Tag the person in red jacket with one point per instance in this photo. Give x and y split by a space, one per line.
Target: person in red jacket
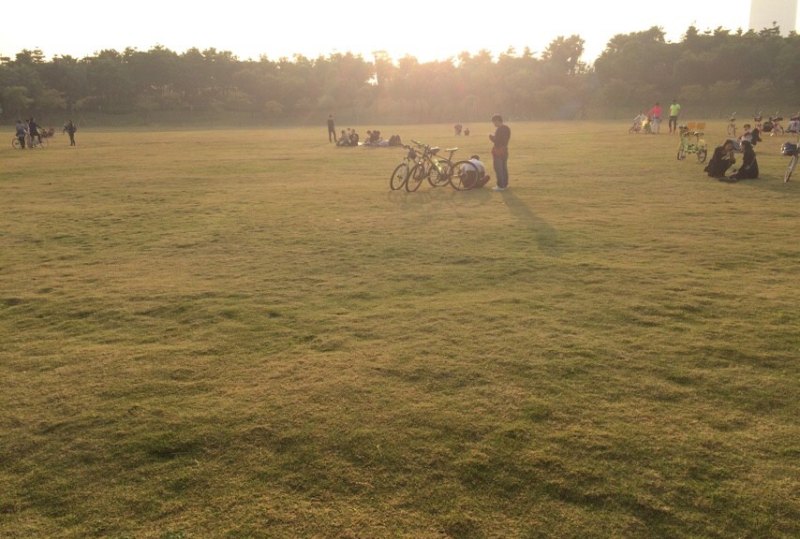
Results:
655 117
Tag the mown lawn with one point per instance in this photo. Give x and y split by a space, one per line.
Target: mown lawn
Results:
246 334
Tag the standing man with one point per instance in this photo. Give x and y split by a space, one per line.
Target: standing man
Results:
69 129
500 139
674 112
22 133
331 129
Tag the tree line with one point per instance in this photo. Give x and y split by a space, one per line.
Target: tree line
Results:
715 72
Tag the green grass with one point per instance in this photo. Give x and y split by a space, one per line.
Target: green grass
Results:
246 334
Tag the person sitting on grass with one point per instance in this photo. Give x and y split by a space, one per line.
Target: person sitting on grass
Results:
749 168
722 160
753 136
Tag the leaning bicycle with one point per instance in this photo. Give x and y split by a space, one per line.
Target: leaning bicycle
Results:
402 171
461 175
790 149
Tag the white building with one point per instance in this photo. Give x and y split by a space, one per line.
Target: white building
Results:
768 13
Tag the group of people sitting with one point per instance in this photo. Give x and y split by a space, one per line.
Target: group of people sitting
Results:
374 138
723 157
350 137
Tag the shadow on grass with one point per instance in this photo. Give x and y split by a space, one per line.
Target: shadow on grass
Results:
774 184
546 235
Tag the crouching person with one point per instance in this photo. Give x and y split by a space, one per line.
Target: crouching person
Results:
721 161
481 178
749 168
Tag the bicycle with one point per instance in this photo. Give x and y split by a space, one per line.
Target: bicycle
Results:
401 172
790 149
461 175
773 125
686 145
30 142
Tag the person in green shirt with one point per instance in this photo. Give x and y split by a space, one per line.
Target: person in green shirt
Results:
674 112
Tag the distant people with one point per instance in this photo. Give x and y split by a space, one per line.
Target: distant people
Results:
794 124
466 131
501 137
349 137
722 160
753 136
674 112
331 129
655 117
33 131
69 129
482 178
457 128
749 168
21 133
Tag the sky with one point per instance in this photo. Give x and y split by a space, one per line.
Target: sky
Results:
428 30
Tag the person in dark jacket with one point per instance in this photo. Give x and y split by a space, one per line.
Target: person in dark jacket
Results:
69 129
749 168
331 129
500 139
721 161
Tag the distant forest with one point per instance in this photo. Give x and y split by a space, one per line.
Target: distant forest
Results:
711 73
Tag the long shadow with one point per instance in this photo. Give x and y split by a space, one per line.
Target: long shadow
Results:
546 236
775 184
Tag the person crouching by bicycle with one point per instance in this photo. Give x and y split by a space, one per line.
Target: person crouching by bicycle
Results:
21 133
482 178
722 160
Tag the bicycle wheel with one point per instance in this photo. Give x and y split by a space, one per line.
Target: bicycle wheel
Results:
440 174
15 143
399 177
790 168
464 176
702 153
415 178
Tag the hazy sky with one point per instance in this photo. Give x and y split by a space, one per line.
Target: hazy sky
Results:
312 28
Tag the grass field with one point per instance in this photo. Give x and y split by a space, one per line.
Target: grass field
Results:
246 334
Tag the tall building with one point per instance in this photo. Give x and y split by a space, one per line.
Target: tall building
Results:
767 13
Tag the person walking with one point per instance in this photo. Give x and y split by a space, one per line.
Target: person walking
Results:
674 112
500 139
69 129
331 129
22 133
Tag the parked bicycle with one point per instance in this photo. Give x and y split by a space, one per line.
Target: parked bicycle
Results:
790 149
461 175
401 172
30 142
773 125
687 145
